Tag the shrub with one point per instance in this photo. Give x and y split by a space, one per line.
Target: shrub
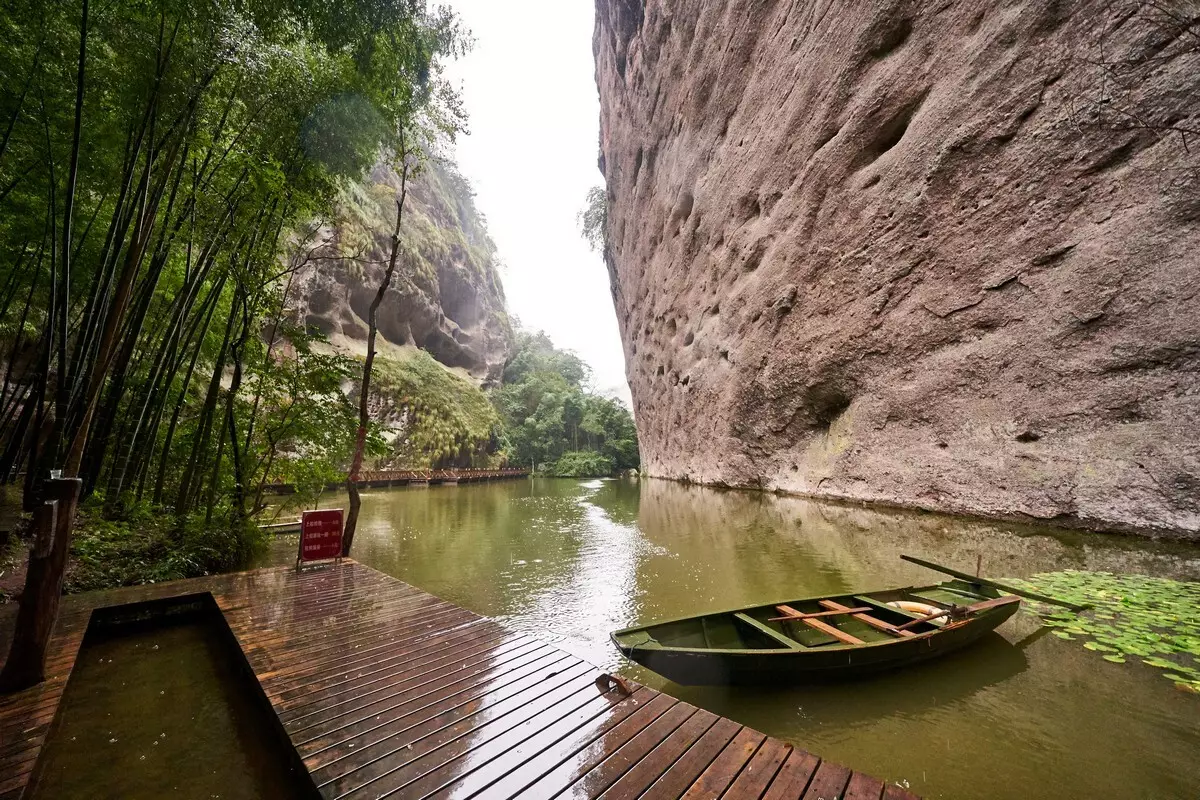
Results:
143 547
581 464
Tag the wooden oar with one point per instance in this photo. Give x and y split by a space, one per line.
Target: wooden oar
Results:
837 612
978 581
964 610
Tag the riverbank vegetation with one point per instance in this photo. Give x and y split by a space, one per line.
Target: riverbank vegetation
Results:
553 422
166 173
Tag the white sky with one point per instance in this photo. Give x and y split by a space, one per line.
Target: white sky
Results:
530 90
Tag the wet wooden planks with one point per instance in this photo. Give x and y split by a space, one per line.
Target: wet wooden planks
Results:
26 717
386 691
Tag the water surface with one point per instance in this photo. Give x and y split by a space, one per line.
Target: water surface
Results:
162 712
1022 715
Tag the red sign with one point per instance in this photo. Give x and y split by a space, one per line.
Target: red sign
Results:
321 534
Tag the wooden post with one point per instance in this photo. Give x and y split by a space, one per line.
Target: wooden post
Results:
27 656
26 663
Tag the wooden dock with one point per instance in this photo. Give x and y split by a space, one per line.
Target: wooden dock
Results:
387 691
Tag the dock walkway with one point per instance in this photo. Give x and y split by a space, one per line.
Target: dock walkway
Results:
387 691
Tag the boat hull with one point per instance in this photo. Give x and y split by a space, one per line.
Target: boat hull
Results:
695 667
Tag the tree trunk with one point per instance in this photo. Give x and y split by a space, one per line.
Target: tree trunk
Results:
238 510
116 316
161 477
360 439
203 429
16 348
62 394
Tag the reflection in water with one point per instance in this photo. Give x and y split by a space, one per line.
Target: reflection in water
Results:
1021 715
603 584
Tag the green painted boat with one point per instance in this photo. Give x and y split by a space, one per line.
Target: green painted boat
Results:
820 638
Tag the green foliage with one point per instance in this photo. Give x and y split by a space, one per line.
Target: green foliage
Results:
446 419
1154 619
344 133
581 464
308 423
593 219
309 476
535 353
146 547
548 413
212 140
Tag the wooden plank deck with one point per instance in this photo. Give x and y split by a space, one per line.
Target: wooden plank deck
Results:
387 691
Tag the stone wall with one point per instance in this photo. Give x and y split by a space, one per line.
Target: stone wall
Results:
941 255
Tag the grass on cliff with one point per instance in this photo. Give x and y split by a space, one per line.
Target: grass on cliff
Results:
449 416
441 225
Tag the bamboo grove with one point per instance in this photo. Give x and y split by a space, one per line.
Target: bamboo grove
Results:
164 169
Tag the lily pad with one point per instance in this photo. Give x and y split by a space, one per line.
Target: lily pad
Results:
1132 615
1161 663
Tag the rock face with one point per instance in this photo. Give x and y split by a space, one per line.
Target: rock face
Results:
934 255
446 296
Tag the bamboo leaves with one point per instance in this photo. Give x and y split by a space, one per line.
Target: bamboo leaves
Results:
155 160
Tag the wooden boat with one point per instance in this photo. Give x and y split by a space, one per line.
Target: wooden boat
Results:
823 637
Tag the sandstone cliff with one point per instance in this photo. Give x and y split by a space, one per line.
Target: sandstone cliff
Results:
936 255
446 296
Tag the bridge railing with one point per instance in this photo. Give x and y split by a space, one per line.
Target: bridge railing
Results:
371 476
418 475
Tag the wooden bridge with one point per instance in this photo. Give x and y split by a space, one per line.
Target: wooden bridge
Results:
384 690
376 479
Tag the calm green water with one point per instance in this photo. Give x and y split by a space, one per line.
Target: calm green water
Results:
1022 715
162 713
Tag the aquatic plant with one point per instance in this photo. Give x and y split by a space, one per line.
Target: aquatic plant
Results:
1156 620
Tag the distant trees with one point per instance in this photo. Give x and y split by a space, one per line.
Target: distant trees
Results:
553 421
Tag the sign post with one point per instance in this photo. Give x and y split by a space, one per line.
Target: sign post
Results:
320 536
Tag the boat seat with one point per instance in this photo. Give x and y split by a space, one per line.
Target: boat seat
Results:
768 631
823 627
874 622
